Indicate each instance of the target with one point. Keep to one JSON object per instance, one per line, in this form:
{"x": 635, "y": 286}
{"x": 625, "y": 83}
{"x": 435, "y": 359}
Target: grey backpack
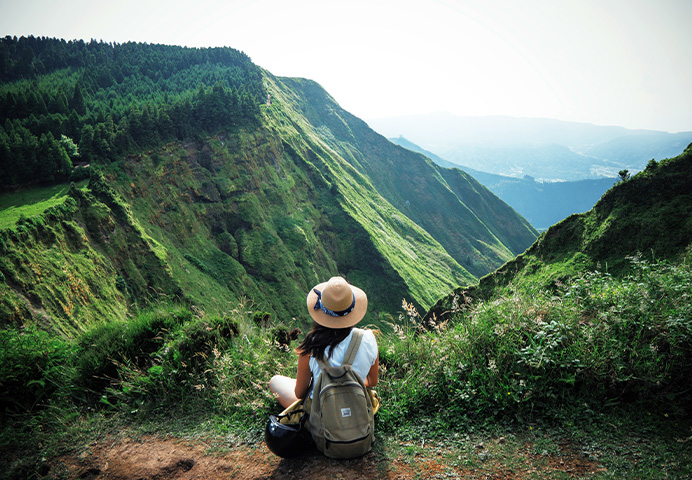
{"x": 342, "y": 422}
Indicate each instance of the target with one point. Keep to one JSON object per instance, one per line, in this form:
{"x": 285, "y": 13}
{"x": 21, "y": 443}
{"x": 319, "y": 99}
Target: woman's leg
{"x": 283, "y": 389}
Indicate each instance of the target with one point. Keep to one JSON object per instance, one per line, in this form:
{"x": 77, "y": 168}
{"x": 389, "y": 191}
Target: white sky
{"x": 608, "y": 62}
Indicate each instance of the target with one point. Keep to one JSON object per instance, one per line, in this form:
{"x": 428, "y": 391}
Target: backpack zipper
{"x": 347, "y": 384}
{"x": 346, "y": 442}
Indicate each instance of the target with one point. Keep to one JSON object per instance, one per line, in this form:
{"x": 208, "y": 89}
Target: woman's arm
{"x": 373, "y": 374}
{"x": 303, "y": 376}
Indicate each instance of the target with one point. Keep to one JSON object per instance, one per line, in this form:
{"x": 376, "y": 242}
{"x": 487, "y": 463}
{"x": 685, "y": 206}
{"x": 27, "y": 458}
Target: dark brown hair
{"x": 319, "y": 338}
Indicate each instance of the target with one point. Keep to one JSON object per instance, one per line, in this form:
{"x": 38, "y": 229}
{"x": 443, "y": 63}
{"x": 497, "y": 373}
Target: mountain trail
{"x": 154, "y": 458}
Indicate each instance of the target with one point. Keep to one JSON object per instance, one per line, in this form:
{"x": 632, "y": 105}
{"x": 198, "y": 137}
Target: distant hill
{"x": 648, "y": 215}
{"x": 541, "y": 203}
{"x": 212, "y": 182}
{"x": 545, "y": 203}
{"x": 541, "y": 148}
{"x": 638, "y": 149}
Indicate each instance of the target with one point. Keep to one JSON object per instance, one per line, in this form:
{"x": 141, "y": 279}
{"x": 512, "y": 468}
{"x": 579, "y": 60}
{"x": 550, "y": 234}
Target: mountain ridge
{"x": 253, "y": 203}
{"x": 346, "y": 130}
{"x": 648, "y": 217}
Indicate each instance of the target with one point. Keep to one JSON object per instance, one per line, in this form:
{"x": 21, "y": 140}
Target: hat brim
{"x": 353, "y": 317}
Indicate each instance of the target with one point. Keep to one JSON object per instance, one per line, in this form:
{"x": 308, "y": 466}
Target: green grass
{"x": 30, "y": 202}
{"x": 81, "y": 260}
{"x": 596, "y": 364}
{"x": 525, "y": 352}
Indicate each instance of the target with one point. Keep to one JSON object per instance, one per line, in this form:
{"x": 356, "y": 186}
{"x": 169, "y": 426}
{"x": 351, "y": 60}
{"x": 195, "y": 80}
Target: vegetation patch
{"x": 15, "y": 208}
{"x": 519, "y": 382}
{"x": 528, "y": 354}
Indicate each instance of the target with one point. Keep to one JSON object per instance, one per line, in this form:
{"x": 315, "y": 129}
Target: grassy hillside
{"x": 256, "y": 214}
{"x": 238, "y": 229}
{"x": 79, "y": 262}
{"x": 648, "y": 216}
{"x": 248, "y": 202}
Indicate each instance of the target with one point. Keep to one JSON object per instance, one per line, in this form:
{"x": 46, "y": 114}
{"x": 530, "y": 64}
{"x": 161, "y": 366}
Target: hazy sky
{"x": 609, "y": 62}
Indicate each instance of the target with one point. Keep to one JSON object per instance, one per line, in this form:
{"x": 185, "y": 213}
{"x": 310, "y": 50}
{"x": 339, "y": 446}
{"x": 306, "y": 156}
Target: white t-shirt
{"x": 365, "y": 358}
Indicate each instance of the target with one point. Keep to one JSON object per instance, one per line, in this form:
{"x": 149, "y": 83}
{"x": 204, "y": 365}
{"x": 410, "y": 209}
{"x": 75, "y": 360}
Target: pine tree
{"x": 77, "y": 102}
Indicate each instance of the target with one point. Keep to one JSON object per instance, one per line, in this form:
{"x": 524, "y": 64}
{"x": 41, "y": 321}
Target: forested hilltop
{"x": 213, "y": 182}
{"x": 63, "y": 103}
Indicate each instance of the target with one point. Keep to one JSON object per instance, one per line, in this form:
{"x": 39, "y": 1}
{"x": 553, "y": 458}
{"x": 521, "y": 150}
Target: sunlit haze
{"x": 607, "y": 62}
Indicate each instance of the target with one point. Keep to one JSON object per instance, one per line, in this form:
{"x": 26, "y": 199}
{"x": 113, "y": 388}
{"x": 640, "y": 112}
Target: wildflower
{"x": 492, "y": 365}
{"x": 499, "y": 330}
{"x": 399, "y": 331}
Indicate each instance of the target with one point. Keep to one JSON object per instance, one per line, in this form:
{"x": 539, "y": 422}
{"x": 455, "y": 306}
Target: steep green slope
{"x": 205, "y": 195}
{"x": 268, "y": 213}
{"x": 450, "y": 206}
{"x": 259, "y": 223}
{"x": 83, "y": 260}
{"x": 648, "y": 215}
{"x": 255, "y": 214}
{"x": 508, "y": 226}
{"x": 419, "y": 259}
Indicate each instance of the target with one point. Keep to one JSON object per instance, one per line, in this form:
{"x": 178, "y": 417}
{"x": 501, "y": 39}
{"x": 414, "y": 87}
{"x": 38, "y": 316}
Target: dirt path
{"x": 153, "y": 458}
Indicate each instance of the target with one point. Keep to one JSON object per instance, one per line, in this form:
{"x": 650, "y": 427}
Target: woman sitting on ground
{"x": 335, "y": 306}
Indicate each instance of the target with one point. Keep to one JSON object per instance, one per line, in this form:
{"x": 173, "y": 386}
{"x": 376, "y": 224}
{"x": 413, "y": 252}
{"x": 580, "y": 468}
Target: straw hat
{"x": 336, "y": 304}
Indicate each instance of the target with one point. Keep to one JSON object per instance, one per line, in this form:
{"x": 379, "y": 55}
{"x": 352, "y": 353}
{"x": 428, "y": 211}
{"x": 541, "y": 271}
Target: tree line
{"x": 68, "y": 102}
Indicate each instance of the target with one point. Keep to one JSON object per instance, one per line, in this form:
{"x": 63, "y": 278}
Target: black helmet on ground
{"x": 286, "y": 440}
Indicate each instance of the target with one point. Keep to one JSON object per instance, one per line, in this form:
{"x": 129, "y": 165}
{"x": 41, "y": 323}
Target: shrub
{"x": 196, "y": 262}
{"x": 32, "y": 366}
{"x": 103, "y": 348}
{"x": 218, "y": 362}
{"x": 191, "y": 346}
{"x": 597, "y": 341}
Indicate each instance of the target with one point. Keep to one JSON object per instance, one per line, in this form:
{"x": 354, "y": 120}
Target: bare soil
{"x": 154, "y": 458}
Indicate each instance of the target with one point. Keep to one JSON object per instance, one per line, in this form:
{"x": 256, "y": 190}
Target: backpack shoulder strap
{"x": 351, "y": 351}
{"x": 352, "y": 348}
{"x": 323, "y": 363}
